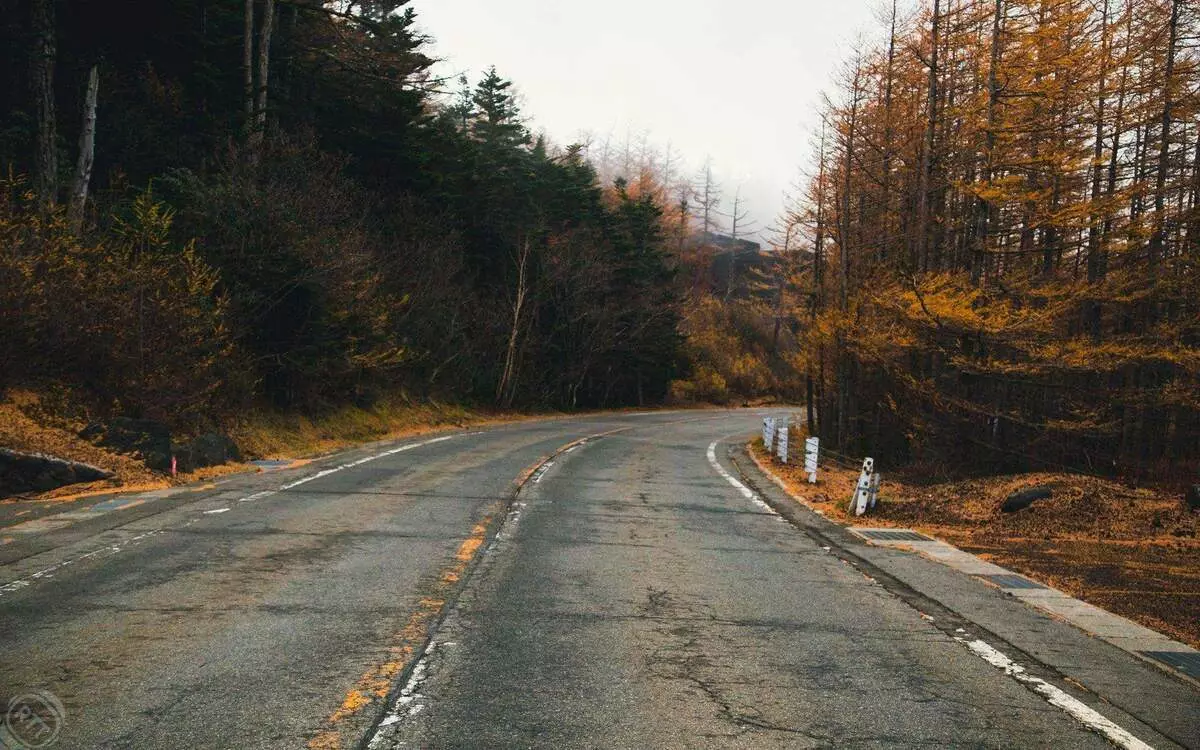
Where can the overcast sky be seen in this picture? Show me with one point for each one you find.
(735, 80)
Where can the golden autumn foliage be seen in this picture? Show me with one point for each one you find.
(730, 347)
(132, 315)
(1005, 226)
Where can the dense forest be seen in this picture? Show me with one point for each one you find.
(1004, 226)
(993, 262)
(213, 203)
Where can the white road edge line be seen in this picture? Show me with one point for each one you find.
(747, 493)
(1053, 695)
(1056, 697)
(111, 549)
(216, 510)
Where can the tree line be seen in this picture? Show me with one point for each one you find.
(214, 203)
(1002, 239)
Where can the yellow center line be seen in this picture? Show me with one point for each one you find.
(375, 684)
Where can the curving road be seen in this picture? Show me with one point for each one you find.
(613, 581)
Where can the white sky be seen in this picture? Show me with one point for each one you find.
(738, 81)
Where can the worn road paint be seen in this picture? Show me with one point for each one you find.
(113, 549)
(747, 493)
(408, 701)
(540, 471)
(1080, 711)
(375, 684)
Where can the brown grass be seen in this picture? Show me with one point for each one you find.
(25, 425)
(1132, 551)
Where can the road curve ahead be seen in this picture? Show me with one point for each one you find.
(634, 593)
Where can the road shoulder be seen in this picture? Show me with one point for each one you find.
(1136, 690)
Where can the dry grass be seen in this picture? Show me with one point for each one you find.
(1132, 551)
(269, 434)
(26, 425)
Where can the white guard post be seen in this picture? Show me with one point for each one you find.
(812, 450)
(769, 434)
(862, 494)
(876, 480)
(783, 439)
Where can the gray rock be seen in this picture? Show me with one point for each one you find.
(209, 449)
(1024, 498)
(37, 472)
(146, 438)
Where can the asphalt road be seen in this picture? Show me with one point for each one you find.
(629, 595)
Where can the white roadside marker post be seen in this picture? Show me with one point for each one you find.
(876, 480)
(783, 440)
(862, 493)
(812, 449)
(769, 434)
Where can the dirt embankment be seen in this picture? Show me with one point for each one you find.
(1131, 551)
(27, 424)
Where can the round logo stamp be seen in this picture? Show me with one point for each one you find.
(33, 720)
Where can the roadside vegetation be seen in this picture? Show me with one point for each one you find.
(277, 209)
(280, 226)
(1004, 224)
(1132, 551)
(270, 215)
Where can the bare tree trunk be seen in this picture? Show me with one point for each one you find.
(847, 169)
(926, 176)
(248, 65)
(1096, 231)
(737, 219)
(1155, 248)
(87, 152)
(44, 56)
(843, 363)
(784, 265)
(264, 67)
(815, 299)
(1193, 224)
(683, 221)
(983, 207)
(888, 147)
(506, 388)
(1052, 238)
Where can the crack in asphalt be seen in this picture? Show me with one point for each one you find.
(405, 701)
(948, 621)
(687, 655)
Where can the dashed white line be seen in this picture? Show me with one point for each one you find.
(1056, 697)
(113, 549)
(343, 467)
